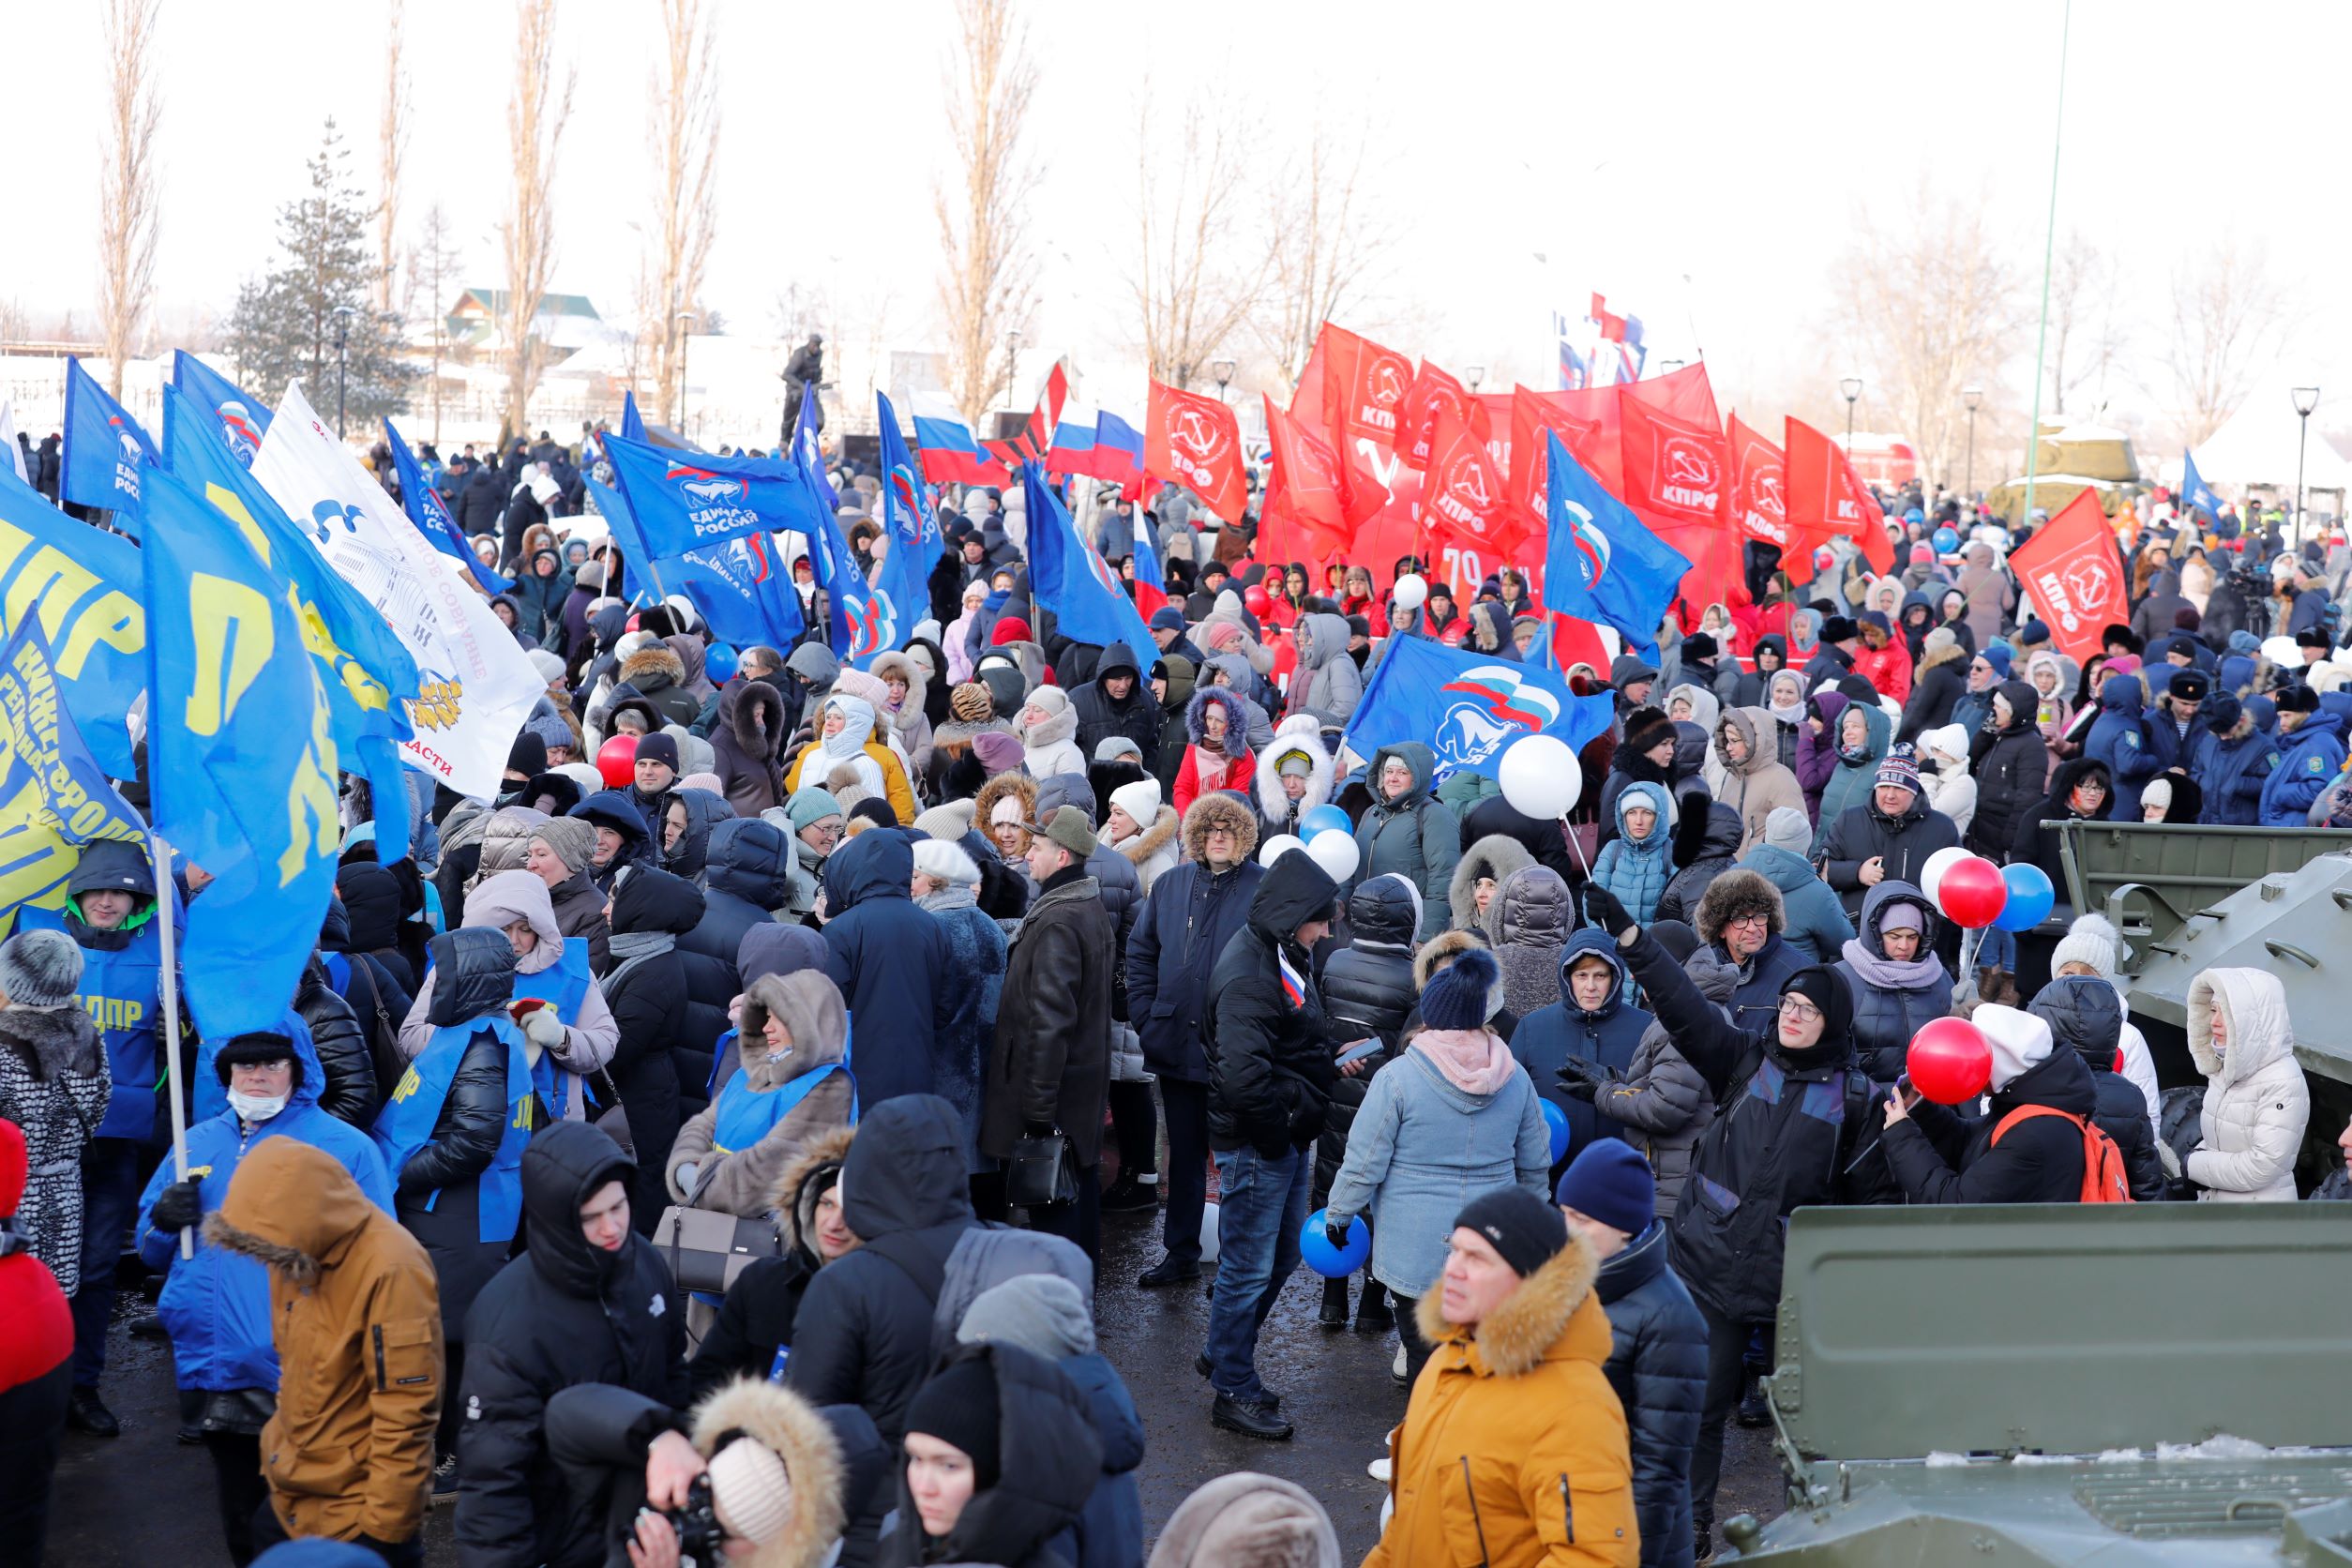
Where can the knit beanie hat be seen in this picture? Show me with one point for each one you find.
(958, 1407)
(706, 781)
(39, 971)
(1610, 1181)
(1952, 740)
(551, 731)
(1526, 1231)
(809, 806)
(1787, 828)
(1938, 640)
(997, 751)
(970, 703)
(753, 1490)
(527, 756)
(1140, 800)
(573, 840)
(1111, 747)
(1455, 997)
(2033, 634)
(936, 857)
(1897, 767)
(1901, 914)
(2091, 941)
(2019, 1040)
(659, 747)
(1997, 653)
(1821, 986)
(551, 668)
(2158, 794)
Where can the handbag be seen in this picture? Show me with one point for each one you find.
(707, 1249)
(1040, 1172)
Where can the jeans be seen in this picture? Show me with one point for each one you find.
(1184, 1184)
(110, 1200)
(1727, 1374)
(1262, 1204)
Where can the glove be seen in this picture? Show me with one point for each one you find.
(1602, 908)
(543, 1028)
(177, 1207)
(689, 1177)
(1584, 1079)
(1335, 1233)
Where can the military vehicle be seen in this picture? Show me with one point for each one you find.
(2046, 1384)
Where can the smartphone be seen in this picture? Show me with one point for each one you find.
(1357, 1052)
(1904, 1087)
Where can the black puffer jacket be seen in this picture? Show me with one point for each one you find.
(1270, 1060)
(659, 1029)
(1904, 843)
(746, 877)
(1941, 1156)
(352, 1093)
(371, 906)
(1368, 991)
(1718, 849)
(1658, 1366)
(1187, 921)
(1051, 1459)
(1101, 716)
(2084, 1015)
(2011, 773)
(562, 1314)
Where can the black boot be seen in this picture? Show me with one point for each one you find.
(1753, 1409)
(1127, 1196)
(1334, 1314)
(1168, 1270)
(1373, 1313)
(86, 1412)
(1262, 1422)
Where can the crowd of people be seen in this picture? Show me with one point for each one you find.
(701, 1144)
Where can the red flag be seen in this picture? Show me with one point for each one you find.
(1463, 494)
(1035, 438)
(1759, 496)
(1195, 442)
(1363, 388)
(2071, 573)
(1311, 484)
(1685, 393)
(1827, 498)
(1588, 426)
(1417, 417)
(1576, 643)
(1675, 481)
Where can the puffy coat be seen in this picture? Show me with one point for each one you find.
(1201, 771)
(1658, 1366)
(564, 1313)
(1718, 847)
(2309, 760)
(1184, 926)
(1886, 1013)
(1527, 924)
(2257, 1102)
(1607, 1035)
(1369, 992)
(1270, 1060)
(747, 874)
(1757, 785)
(1276, 811)
(1328, 685)
(1514, 1448)
(1483, 859)
(1636, 871)
(890, 960)
(2119, 738)
(1413, 833)
(1940, 682)
(2233, 770)
(742, 1180)
(1818, 926)
(53, 1085)
(1851, 781)
(1941, 1156)
(2011, 774)
(1662, 1103)
(661, 1051)
(974, 979)
(2085, 1016)
(1050, 1062)
(1817, 751)
(1102, 716)
(747, 741)
(352, 1093)
(1902, 844)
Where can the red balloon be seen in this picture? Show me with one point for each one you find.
(631, 625)
(617, 760)
(1972, 892)
(1949, 1060)
(1254, 599)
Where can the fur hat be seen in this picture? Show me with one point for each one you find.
(1735, 894)
(1455, 997)
(1645, 727)
(40, 970)
(970, 703)
(2189, 685)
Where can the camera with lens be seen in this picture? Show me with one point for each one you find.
(701, 1539)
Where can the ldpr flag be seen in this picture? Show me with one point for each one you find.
(1066, 577)
(1600, 563)
(1467, 707)
(54, 796)
(473, 688)
(1195, 442)
(241, 418)
(1827, 498)
(105, 451)
(684, 501)
(2195, 491)
(2071, 571)
(427, 510)
(739, 587)
(84, 584)
(241, 759)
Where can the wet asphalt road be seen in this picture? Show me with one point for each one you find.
(143, 1498)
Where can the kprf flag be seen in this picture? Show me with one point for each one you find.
(2071, 573)
(686, 501)
(1675, 480)
(241, 758)
(1759, 496)
(1600, 563)
(1432, 391)
(1827, 498)
(1066, 577)
(475, 688)
(431, 514)
(1352, 387)
(1587, 422)
(1195, 442)
(105, 451)
(1464, 498)
(82, 585)
(739, 587)
(54, 796)
(7, 438)
(2195, 491)
(1317, 484)
(240, 418)
(1467, 708)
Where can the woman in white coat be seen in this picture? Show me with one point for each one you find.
(2255, 1099)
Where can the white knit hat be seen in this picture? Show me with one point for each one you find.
(2091, 940)
(936, 857)
(2019, 1040)
(750, 1487)
(1952, 740)
(1140, 800)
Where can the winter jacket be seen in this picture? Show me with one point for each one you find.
(1527, 924)
(1940, 1155)
(1758, 784)
(1298, 736)
(1817, 752)
(578, 906)
(352, 1307)
(564, 1313)
(1423, 1145)
(1718, 848)
(1887, 1015)
(1851, 781)
(1149, 852)
(890, 960)
(1186, 924)
(1636, 871)
(746, 875)
(741, 1178)
(1936, 685)
(1050, 1062)
(1270, 1057)
(1491, 859)
(1414, 834)
(663, 1056)
(1661, 1103)
(1817, 926)
(746, 740)
(1202, 771)
(1051, 1460)
(1607, 1036)
(1100, 717)
(1369, 992)
(1514, 1431)
(1327, 684)
(2119, 738)
(53, 1085)
(2309, 760)
(1888, 668)
(352, 1094)
(974, 981)
(1627, 767)
(1658, 1366)
(2257, 1101)
(2011, 774)
(1901, 844)
(2085, 1016)
(2233, 770)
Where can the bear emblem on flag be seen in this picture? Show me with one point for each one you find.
(1487, 708)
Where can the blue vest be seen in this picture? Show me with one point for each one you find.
(121, 991)
(407, 1121)
(747, 1115)
(565, 982)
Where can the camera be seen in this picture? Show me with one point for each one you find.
(701, 1539)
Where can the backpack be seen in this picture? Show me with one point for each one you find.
(2104, 1180)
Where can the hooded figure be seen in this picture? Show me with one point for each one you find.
(2071, 798)
(1893, 998)
(1405, 830)
(1247, 1520)
(1602, 1033)
(2012, 1154)
(1817, 926)
(1478, 878)
(1369, 991)
(647, 992)
(1860, 738)
(1134, 714)
(53, 1085)
(1327, 683)
(2119, 738)
(1754, 783)
(748, 875)
(1717, 830)
(890, 961)
(1223, 763)
(2257, 1102)
(1296, 759)
(1527, 924)
(1028, 1436)
(787, 1095)
(2084, 1015)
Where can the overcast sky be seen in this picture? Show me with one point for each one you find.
(1630, 145)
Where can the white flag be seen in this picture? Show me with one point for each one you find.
(8, 439)
(476, 686)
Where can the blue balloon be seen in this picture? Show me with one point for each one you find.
(2030, 898)
(1556, 1122)
(1323, 816)
(719, 663)
(1330, 1261)
(1946, 540)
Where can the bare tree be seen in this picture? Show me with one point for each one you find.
(1200, 267)
(128, 182)
(985, 292)
(1931, 305)
(392, 143)
(1326, 247)
(534, 127)
(2088, 338)
(683, 98)
(433, 268)
(2230, 317)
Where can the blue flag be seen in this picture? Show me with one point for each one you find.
(632, 422)
(430, 515)
(739, 586)
(1467, 707)
(914, 519)
(368, 674)
(241, 418)
(859, 623)
(1089, 602)
(809, 453)
(1602, 564)
(105, 451)
(85, 584)
(54, 797)
(241, 759)
(690, 500)
(2195, 491)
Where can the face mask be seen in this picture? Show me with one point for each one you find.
(779, 1053)
(255, 1108)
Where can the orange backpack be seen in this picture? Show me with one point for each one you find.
(2104, 1180)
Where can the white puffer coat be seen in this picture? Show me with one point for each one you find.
(2255, 1100)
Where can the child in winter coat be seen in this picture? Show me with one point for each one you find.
(1635, 865)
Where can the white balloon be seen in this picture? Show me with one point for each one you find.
(1412, 592)
(1274, 849)
(1208, 1234)
(1541, 777)
(1335, 851)
(1931, 876)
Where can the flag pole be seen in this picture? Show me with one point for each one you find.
(169, 990)
(2049, 247)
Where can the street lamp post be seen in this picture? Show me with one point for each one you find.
(1475, 373)
(686, 337)
(1223, 371)
(1852, 387)
(342, 314)
(2306, 399)
(1973, 397)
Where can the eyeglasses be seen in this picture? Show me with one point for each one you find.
(1749, 920)
(1798, 1008)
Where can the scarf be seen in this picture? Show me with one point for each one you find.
(1790, 713)
(1891, 973)
(952, 897)
(1474, 1061)
(634, 948)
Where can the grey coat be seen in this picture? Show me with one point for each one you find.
(1415, 836)
(1527, 924)
(1328, 685)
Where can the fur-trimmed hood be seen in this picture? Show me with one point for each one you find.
(756, 720)
(1157, 836)
(1933, 656)
(984, 803)
(1497, 855)
(1056, 727)
(813, 1014)
(291, 1206)
(789, 1426)
(1543, 1319)
(653, 669)
(887, 665)
(1300, 735)
(1217, 807)
(1236, 721)
(793, 1198)
(63, 1040)
(1733, 893)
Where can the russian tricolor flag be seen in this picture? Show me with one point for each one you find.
(1119, 454)
(950, 456)
(1292, 987)
(1150, 584)
(1072, 449)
